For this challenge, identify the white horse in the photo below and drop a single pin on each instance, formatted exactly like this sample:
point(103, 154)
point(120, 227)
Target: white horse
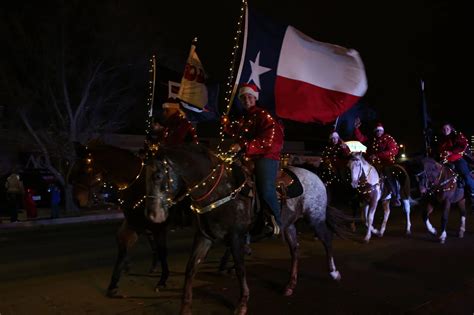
point(367, 180)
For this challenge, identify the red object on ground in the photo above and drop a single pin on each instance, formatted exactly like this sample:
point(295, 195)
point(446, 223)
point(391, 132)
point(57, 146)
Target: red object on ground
point(29, 204)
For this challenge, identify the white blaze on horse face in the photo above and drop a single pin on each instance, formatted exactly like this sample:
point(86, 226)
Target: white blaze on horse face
point(355, 166)
point(155, 210)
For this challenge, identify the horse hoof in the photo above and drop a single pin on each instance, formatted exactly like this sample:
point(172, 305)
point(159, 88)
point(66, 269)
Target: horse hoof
point(112, 293)
point(380, 234)
point(185, 310)
point(288, 292)
point(408, 232)
point(242, 310)
point(366, 240)
point(335, 275)
point(159, 287)
point(461, 234)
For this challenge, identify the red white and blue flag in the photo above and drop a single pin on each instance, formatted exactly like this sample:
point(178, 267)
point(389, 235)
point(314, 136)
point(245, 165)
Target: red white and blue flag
point(299, 78)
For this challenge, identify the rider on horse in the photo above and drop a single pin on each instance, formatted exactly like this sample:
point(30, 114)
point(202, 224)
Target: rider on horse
point(452, 147)
point(335, 156)
point(261, 137)
point(381, 152)
point(176, 129)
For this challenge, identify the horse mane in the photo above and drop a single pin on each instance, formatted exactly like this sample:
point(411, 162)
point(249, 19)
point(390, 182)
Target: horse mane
point(186, 151)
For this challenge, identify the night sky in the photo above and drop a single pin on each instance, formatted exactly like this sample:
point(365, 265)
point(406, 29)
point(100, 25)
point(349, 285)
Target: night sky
point(399, 42)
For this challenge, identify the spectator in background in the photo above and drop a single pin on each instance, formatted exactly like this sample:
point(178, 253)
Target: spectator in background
point(55, 200)
point(29, 204)
point(15, 191)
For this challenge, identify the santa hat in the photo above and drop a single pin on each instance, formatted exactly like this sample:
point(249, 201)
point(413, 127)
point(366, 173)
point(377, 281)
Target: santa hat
point(333, 134)
point(171, 103)
point(248, 88)
point(378, 126)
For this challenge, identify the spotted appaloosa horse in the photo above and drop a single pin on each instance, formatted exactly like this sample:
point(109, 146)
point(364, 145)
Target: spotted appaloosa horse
point(438, 186)
point(225, 212)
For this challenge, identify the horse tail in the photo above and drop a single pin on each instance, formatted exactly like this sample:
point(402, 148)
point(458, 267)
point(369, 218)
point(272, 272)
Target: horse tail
point(339, 223)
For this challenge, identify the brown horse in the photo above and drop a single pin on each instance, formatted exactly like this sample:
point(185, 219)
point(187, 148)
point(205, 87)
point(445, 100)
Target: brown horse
point(438, 186)
point(225, 212)
point(104, 163)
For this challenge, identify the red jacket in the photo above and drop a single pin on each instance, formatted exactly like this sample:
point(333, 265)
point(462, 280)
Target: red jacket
point(384, 148)
point(337, 154)
point(452, 146)
point(258, 133)
point(177, 130)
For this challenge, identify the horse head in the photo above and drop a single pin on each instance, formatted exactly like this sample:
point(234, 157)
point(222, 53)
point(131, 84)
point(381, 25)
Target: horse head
point(173, 173)
point(99, 163)
point(429, 174)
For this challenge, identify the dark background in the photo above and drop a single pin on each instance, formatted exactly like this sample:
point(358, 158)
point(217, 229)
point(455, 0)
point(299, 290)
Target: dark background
point(399, 42)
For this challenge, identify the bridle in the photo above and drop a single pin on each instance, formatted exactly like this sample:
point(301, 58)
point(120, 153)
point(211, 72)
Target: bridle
point(213, 179)
point(437, 185)
point(364, 187)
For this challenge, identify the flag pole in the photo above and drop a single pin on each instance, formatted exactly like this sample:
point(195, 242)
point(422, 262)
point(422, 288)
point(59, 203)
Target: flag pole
point(151, 98)
point(231, 83)
point(426, 129)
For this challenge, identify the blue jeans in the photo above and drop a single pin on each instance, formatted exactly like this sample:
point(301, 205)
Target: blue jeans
point(463, 169)
point(266, 171)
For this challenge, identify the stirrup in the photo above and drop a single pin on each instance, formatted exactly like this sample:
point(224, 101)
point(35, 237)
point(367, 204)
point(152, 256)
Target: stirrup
point(276, 227)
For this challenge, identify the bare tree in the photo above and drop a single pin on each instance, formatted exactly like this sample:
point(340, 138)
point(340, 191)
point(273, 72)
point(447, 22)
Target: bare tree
point(61, 96)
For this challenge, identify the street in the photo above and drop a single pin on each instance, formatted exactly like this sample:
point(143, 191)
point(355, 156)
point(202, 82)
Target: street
point(65, 270)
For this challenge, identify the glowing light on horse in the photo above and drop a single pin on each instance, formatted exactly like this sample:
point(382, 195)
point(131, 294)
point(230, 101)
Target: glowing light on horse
point(224, 212)
point(367, 181)
point(438, 185)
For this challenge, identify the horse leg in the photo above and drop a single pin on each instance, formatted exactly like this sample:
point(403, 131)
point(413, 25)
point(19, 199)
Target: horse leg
point(125, 238)
point(444, 221)
point(386, 214)
point(462, 209)
point(224, 260)
point(406, 207)
point(292, 241)
point(160, 235)
point(199, 250)
point(326, 235)
point(155, 259)
point(426, 218)
point(237, 248)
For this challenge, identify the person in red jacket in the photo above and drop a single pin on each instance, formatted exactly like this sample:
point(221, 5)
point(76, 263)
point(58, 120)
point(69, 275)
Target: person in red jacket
point(335, 156)
point(452, 147)
point(176, 129)
point(382, 150)
point(260, 136)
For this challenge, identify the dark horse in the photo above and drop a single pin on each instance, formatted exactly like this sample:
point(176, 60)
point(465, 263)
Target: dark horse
point(104, 163)
point(438, 186)
point(225, 212)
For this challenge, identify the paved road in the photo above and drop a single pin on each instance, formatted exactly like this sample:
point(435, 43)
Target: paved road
point(65, 270)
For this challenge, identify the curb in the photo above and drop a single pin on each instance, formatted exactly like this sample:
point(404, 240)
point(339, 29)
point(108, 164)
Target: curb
point(22, 225)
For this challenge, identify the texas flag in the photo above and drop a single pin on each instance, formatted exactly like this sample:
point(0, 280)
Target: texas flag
point(299, 78)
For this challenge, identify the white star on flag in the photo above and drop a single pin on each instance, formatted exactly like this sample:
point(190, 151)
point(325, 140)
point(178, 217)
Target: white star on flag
point(257, 70)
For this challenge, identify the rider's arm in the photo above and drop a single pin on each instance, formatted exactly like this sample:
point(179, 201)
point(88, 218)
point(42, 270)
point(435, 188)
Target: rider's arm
point(360, 136)
point(265, 136)
point(391, 149)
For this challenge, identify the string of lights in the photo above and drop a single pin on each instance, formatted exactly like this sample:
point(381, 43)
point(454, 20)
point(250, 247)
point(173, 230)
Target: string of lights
point(230, 87)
